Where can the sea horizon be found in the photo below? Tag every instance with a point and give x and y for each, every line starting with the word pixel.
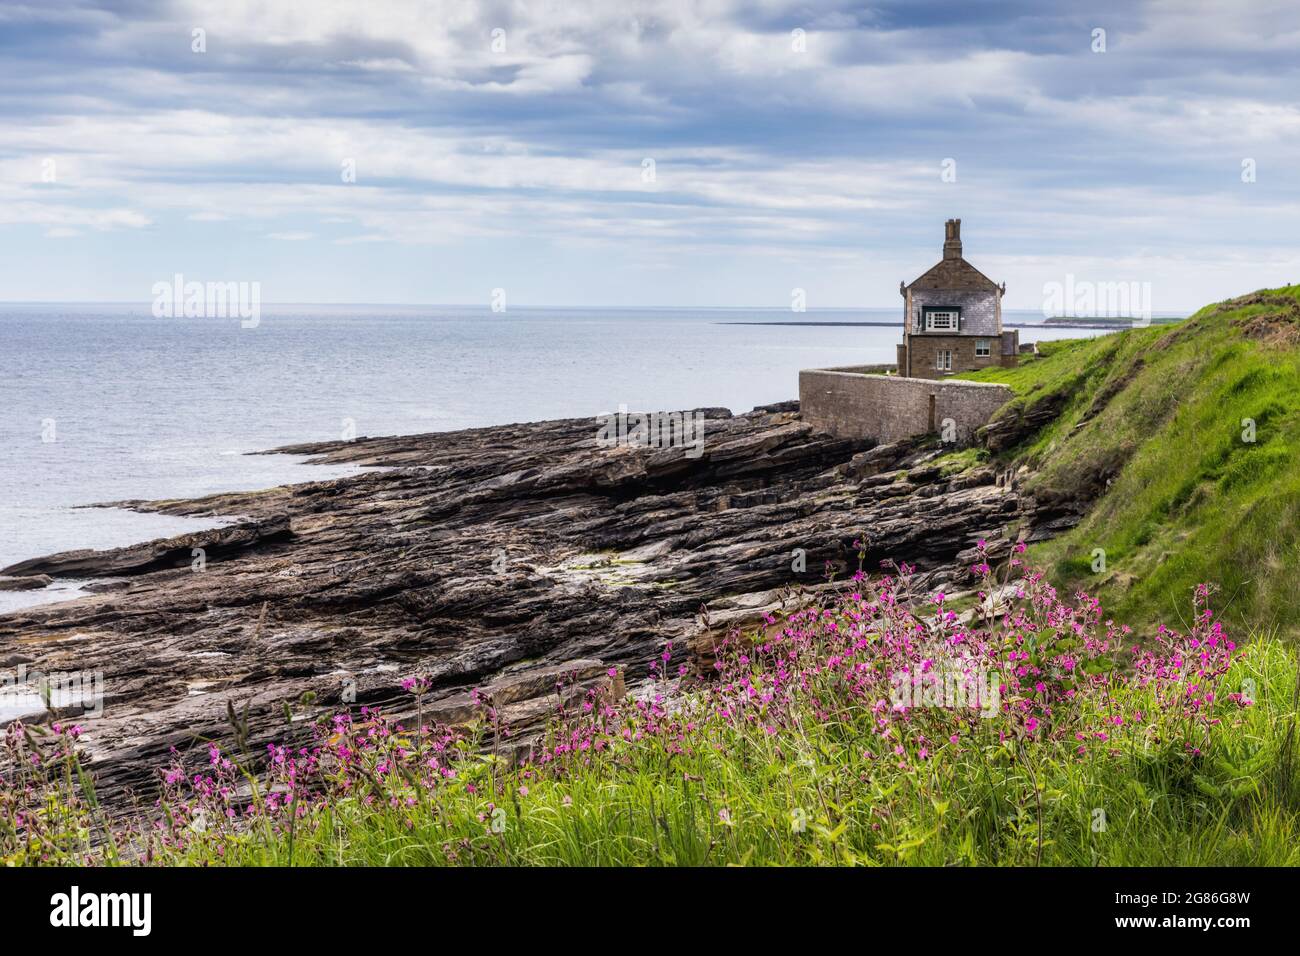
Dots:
pixel 896 310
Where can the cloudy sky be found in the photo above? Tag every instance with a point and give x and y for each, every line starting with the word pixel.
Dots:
pixel 663 153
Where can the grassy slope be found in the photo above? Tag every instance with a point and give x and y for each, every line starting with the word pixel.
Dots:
pixel 1189 500
pixel 744 797
pixel 792 756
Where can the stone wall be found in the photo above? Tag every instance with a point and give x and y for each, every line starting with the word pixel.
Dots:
pixel 848 404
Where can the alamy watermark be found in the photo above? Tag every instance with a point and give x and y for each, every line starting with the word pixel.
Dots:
pixel 652 430
pixel 24 692
pixel 1089 300
pixel 74 908
pixel 208 300
pixel 949 681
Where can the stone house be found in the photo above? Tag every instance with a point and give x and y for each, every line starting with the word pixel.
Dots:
pixel 952 318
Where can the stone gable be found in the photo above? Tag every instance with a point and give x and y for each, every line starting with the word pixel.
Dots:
pixel 953 274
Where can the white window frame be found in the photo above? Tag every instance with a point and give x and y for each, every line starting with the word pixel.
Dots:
pixel 943 360
pixel 951 320
pixel 983 348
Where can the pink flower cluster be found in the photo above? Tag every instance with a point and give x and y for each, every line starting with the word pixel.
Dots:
pixel 910 678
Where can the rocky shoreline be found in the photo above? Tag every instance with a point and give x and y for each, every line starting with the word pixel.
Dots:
pixel 508 559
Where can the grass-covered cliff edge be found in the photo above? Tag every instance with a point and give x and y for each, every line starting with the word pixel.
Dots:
pixel 1184 442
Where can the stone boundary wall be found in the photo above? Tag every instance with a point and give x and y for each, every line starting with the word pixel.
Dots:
pixel 850 404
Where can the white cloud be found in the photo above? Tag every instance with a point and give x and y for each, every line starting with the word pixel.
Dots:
pixel 829 155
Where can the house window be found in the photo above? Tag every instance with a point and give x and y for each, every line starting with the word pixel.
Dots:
pixel 982 349
pixel 942 320
pixel 943 360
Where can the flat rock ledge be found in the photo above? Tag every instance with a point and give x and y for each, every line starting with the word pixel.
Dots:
pixel 522 560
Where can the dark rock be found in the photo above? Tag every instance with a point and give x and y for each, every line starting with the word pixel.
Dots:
pixel 790 406
pixel 176 552
pixel 33 582
pixel 103 587
pixel 1020 420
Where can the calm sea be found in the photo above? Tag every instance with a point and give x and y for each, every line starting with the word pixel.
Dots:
pixel 105 402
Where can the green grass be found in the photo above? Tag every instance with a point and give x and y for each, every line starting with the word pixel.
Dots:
pixel 956 462
pixel 1151 428
pixel 799 753
pixel 812 798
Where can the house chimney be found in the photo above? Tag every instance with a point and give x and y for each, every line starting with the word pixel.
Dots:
pixel 952 239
